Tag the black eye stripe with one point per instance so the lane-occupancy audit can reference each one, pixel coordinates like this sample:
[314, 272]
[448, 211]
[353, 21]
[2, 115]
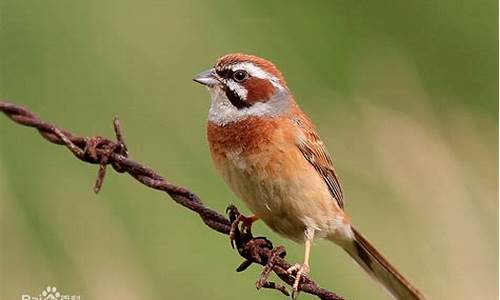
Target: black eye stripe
[225, 73]
[229, 73]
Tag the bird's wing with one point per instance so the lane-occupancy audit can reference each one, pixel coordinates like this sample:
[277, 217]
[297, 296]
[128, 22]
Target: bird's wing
[317, 155]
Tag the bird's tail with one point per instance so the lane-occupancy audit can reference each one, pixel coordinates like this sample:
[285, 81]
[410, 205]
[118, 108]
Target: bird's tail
[380, 269]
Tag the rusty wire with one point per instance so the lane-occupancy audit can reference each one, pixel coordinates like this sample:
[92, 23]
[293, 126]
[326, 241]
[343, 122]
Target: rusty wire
[103, 152]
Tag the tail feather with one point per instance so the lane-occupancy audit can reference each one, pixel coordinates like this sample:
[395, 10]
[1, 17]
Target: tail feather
[380, 269]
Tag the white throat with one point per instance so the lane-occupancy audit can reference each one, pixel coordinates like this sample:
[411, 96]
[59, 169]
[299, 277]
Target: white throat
[222, 112]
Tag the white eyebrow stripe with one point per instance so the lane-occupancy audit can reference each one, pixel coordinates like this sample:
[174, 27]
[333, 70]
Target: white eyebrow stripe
[256, 71]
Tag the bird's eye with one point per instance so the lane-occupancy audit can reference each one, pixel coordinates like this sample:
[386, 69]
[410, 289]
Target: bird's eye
[240, 75]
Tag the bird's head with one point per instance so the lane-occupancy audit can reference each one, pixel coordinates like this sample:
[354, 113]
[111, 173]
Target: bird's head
[243, 86]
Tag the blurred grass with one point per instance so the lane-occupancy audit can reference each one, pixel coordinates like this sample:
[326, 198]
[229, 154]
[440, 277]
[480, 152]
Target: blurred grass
[403, 93]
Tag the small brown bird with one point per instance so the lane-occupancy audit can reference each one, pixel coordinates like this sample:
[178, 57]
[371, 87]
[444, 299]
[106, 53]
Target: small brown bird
[268, 152]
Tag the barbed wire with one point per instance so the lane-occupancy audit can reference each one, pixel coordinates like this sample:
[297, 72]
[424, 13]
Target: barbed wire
[103, 152]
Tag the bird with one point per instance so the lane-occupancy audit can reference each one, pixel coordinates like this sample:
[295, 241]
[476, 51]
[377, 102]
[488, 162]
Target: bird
[270, 155]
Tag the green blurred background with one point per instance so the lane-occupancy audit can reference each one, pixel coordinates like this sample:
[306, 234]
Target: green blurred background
[404, 93]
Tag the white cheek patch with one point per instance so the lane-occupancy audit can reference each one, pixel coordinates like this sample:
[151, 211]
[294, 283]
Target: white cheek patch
[256, 71]
[222, 112]
[237, 88]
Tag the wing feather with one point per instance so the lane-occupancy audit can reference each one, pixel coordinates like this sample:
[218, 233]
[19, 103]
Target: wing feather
[317, 155]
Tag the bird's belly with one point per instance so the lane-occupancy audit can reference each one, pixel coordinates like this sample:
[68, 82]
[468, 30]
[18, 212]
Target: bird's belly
[285, 192]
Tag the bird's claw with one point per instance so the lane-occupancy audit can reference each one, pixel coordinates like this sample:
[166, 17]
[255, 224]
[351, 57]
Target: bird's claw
[300, 271]
[232, 212]
[236, 218]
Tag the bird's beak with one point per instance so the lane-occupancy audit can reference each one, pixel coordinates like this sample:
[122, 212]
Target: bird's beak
[206, 78]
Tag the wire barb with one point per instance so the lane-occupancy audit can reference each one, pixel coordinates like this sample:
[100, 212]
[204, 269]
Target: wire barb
[101, 151]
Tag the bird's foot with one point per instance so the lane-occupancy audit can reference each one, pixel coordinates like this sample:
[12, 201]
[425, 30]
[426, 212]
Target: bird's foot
[300, 272]
[237, 218]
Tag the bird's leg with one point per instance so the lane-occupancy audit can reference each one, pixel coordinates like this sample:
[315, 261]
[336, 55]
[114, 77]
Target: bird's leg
[302, 270]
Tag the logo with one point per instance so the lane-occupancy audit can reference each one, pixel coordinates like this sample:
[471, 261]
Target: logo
[50, 293]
